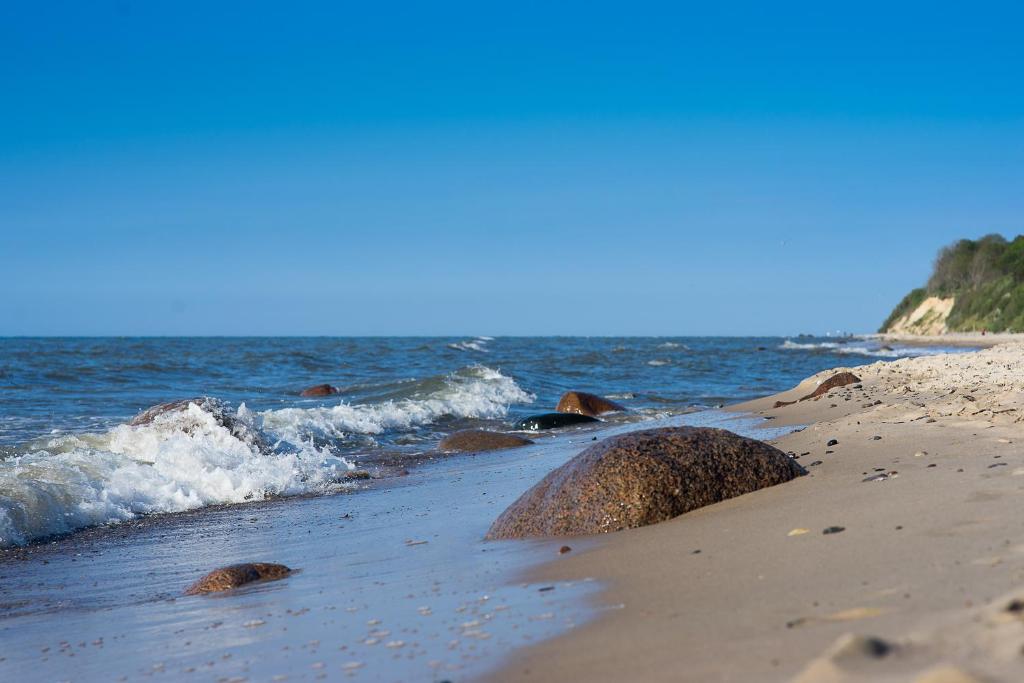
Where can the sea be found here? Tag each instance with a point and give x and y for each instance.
(103, 524)
(69, 460)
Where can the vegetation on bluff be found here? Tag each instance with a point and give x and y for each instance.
(985, 276)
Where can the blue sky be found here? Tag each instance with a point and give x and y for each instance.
(481, 168)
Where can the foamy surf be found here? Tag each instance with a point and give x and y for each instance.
(188, 459)
(866, 350)
(473, 392)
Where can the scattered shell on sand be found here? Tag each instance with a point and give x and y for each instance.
(799, 531)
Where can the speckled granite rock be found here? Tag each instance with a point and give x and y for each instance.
(641, 478)
(586, 404)
(237, 575)
(477, 440)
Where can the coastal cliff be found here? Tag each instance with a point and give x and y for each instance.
(976, 285)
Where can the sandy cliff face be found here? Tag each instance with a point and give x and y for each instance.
(928, 318)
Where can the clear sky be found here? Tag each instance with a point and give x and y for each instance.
(485, 168)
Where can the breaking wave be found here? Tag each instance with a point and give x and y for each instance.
(868, 350)
(193, 457)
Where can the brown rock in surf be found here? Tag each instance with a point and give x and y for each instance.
(477, 440)
(237, 575)
(834, 382)
(586, 404)
(641, 478)
(318, 391)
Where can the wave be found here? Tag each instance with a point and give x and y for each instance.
(180, 461)
(867, 350)
(477, 344)
(473, 392)
(195, 456)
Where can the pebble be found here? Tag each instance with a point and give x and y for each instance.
(816, 462)
(876, 437)
(834, 530)
(564, 549)
(832, 442)
(920, 454)
(799, 531)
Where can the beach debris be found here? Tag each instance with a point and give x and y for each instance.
(832, 442)
(799, 531)
(834, 382)
(876, 437)
(478, 440)
(882, 476)
(564, 549)
(833, 530)
(536, 423)
(920, 454)
(235, 575)
(815, 463)
(318, 391)
(783, 404)
(663, 472)
(409, 542)
(586, 404)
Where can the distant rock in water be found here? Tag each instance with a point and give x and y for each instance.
(834, 382)
(586, 404)
(642, 478)
(213, 407)
(537, 423)
(477, 440)
(318, 391)
(237, 575)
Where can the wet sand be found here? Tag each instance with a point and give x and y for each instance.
(899, 558)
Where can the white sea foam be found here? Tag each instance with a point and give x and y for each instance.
(477, 391)
(181, 461)
(864, 350)
(657, 362)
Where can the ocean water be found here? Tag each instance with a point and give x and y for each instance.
(70, 460)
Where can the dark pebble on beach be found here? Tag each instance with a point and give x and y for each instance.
(933, 465)
(816, 462)
(834, 530)
(1015, 606)
(564, 549)
(832, 442)
(876, 438)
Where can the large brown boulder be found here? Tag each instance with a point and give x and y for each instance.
(477, 440)
(237, 575)
(641, 478)
(318, 391)
(586, 404)
(837, 380)
(221, 413)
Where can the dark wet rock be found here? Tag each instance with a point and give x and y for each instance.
(220, 412)
(783, 404)
(586, 404)
(476, 440)
(318, 391)
(834, 382)
(536, 423)
(641, 478)
(237, 575)
(833, 530)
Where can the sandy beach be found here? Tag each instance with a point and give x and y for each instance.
(899, 558)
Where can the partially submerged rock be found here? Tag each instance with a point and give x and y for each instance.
(217, 409)
(318, 391)
(236, 575)
(834, 382)
(536, 423)
(641, 478)
(586, 404)
(477, 440)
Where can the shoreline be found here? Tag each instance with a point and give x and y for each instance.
(968, 339)
(925, 482)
